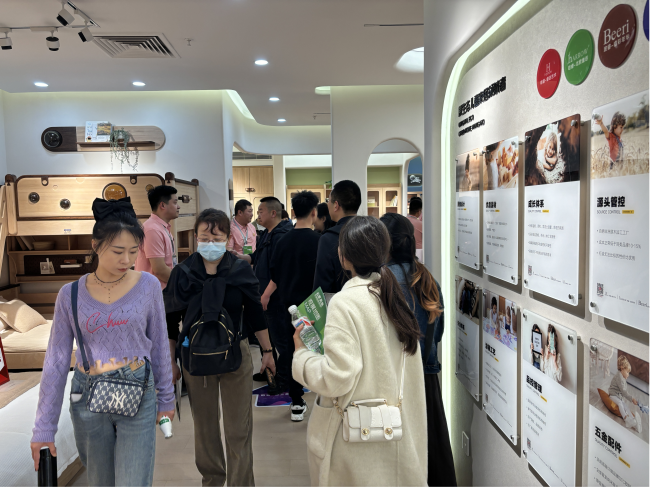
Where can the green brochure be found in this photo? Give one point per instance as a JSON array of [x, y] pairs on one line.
[[315, 308]]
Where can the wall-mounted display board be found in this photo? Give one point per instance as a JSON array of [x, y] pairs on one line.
[[467, 208], [552, 203], [617, 36], [467, 335], [501, 210], [618, 417], [548, 400], [499, 371], [579, 57], [619, 237]]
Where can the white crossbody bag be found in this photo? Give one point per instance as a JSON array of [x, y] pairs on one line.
[[381, 423]]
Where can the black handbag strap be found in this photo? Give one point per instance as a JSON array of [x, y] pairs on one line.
[[74, 292]]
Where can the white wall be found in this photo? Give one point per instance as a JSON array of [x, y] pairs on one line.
[[3, 150], [365, 116], [325, 160]]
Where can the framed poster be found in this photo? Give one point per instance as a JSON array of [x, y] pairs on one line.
[[552, 202], [618, 207], [467, 335], [467, 209], [548, 398], [499, 371], [501, 210], [618, 417]]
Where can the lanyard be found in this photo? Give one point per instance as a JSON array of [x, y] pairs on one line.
[[245, 237], [171, 239]]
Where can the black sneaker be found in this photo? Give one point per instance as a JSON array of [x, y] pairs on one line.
[[279, 388], [298, 412]]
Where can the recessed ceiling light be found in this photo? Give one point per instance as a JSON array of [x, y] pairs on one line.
[[138, 83], [261, 62], [41, 84], [282, 120], [274, 99]]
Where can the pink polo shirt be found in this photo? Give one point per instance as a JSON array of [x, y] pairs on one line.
[[417, 225], [158, 243], [242, 236]]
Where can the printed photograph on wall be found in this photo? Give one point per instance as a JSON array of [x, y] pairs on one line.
[[467, 335], [500, 319], [467, 300], [619, 138], [618, 387], [552, 152], [467, 171], [501, 165]]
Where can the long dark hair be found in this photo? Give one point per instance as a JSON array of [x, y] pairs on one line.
[[365, 243], [111, 218], [324, 211], [402, 252]]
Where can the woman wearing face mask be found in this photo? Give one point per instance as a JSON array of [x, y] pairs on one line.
[[184, 302]]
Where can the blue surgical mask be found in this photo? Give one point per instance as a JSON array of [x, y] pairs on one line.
[[211, 251]]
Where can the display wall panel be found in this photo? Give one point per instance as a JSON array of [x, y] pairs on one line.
[[468, 331], [468, 231]]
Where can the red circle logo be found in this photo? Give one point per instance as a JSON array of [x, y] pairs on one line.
[[548, 73]]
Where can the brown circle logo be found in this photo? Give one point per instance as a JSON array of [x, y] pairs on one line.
[[617, 35], [113, 191]]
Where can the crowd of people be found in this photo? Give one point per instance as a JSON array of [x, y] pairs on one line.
[[142, 321]]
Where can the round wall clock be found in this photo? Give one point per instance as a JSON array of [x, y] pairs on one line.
[[113, 191], [52, 138]]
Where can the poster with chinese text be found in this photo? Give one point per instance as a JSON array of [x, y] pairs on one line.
[[548, 398], [618, 241], [552, 206], [501, 210], [618, 417], [467, 335], [467, 208], [499, 371]]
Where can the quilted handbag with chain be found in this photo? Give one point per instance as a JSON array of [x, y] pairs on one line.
[[118, 396], [381, 423]]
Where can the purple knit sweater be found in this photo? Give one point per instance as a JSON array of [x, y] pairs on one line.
[[132, 326]]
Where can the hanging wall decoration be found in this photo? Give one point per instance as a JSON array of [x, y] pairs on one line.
[[499, 371], [579, 57], [467, 208], [617, 36], [501, 210], [548, 73], [120, 149], [552, 205], [467, 335], [618, 236]]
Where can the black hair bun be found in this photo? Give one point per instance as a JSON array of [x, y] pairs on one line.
[[105, 208]]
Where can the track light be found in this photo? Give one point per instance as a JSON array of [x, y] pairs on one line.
[[52, 42], [85, 34], [5, 43], [64, 16]]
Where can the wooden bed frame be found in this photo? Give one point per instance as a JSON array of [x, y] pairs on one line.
[[57, 208]]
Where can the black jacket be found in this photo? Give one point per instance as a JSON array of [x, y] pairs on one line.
[[330, 276], [261, 258]]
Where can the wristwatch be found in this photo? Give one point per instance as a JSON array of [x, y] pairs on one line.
[[264, 351]]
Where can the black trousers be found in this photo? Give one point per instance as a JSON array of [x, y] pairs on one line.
[[281, 331], [441, 459]]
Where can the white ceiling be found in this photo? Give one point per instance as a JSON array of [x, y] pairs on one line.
[[308, 43]]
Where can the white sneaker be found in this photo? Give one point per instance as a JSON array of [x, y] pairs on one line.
[[638, 422], [298, 412]]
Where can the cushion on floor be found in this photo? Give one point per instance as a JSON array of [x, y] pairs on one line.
[[611, 406]]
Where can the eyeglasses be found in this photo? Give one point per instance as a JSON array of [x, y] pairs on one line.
[[210, 241]]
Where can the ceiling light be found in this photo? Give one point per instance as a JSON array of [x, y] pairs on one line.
[[138, 83], [41, 84], [261, 62], [85, 35], [274, 99], [52, 42], [282, 120], [64, 16]]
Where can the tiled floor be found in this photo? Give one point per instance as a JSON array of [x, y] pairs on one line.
[[279, 448]]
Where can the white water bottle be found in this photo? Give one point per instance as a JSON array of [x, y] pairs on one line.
[[165, 425], [309, 335]]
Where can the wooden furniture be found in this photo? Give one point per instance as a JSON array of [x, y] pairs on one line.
[[292, 190], [144, 138], [183, 226], [384, 198], [252, 183]]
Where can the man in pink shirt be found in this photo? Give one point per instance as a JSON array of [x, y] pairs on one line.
[[243, 235], [415, 211], [158, 253]]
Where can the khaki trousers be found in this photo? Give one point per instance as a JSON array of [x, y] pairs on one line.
[[236, 395]]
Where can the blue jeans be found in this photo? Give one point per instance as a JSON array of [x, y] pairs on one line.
[[116, 450]]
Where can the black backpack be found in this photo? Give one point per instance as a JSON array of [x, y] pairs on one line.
[[214, 340]]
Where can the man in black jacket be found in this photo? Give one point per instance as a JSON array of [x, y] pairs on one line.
[[344, 202]]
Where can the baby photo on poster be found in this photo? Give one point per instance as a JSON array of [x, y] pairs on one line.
[[467, 171], [500, 319], [468, 217]]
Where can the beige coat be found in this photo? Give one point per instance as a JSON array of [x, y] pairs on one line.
[[363, 359]]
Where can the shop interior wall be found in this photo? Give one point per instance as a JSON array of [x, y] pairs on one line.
[[308, 176], [492, 460], [365, 116], [279, 178]]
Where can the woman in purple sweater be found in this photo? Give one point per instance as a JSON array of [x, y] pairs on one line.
[[122, 321]]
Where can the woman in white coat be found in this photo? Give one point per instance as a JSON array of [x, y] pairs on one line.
[[370, 330]]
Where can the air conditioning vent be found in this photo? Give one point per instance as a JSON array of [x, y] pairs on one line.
[[242, 155], [136, 46]]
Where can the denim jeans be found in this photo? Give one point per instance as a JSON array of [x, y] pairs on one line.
[[116, 450]]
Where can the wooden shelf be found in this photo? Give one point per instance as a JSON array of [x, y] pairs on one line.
[[107, 144], [51, 251], [184, 249]]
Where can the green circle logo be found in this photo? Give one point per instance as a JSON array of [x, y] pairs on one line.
[[579, 57]]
